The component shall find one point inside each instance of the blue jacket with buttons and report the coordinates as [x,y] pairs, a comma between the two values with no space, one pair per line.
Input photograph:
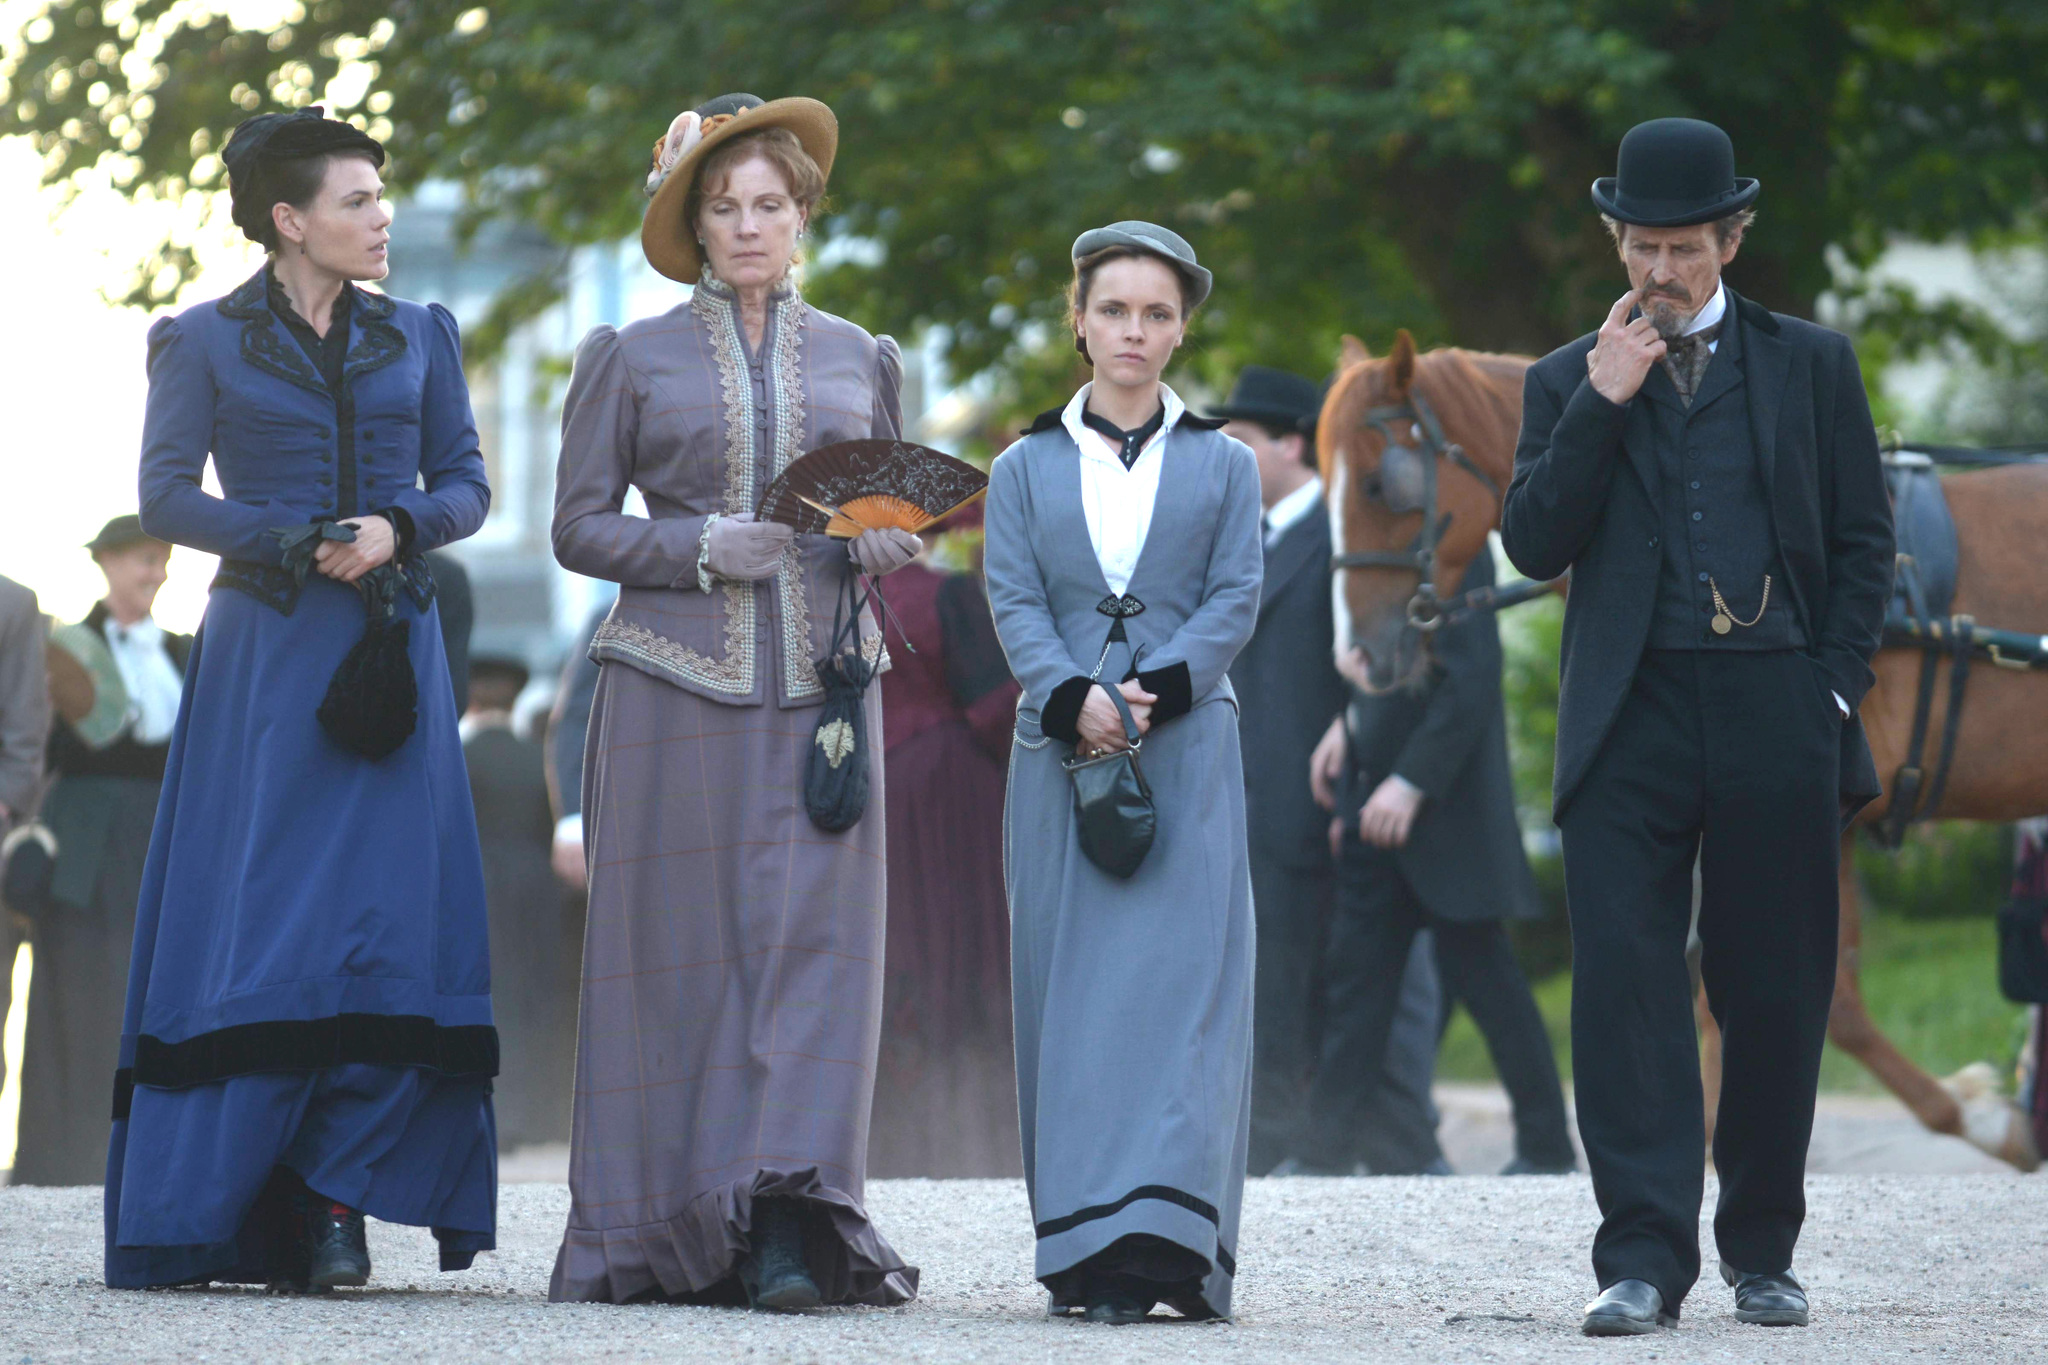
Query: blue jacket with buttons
[227,378]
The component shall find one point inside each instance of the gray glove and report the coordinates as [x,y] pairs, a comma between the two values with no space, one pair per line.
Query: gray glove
[738,547]
[884,551]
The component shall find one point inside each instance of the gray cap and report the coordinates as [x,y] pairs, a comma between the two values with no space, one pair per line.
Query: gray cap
[1156,240]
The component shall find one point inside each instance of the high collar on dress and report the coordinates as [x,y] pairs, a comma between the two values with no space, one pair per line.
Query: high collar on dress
[713,290]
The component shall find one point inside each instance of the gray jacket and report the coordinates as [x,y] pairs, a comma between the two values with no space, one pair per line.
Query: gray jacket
[1198,576]
[24,699]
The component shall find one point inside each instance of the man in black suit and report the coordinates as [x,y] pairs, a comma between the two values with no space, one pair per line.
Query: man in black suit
[1288,690]
[1708,471]
[1426,835]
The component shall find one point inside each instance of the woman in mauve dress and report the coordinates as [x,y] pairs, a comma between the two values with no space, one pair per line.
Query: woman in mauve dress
[732,975]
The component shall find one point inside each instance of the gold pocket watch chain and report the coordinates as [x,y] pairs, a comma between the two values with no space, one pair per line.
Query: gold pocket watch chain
[1724,619]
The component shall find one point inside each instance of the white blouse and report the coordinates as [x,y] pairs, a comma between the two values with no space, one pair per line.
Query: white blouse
[152,680]
[1118,501]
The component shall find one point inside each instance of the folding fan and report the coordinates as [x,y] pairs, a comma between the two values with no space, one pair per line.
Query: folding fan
[855,486]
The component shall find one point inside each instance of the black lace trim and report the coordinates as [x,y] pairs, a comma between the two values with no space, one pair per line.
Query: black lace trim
[279,589]
[264,342]
[275,588]
[413,1040]
[377,342]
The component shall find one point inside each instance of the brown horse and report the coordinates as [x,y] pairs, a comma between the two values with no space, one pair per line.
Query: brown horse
[2001,761]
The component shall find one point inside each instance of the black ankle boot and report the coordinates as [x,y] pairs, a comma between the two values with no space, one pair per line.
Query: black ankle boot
[337,1252]
[778,1278]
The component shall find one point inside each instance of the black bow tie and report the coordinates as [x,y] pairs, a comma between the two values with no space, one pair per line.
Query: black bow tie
[1130,444]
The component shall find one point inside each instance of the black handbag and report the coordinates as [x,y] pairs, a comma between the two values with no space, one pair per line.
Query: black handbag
[2023,951]
[28,868]
[836,775]
[1113,802]
[372,702]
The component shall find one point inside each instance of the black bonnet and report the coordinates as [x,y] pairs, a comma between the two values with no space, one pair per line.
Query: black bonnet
[267,139]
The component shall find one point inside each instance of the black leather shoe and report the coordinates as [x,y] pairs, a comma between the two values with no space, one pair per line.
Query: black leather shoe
[1766,1300]
[1521,1165]
[1115,1308]
[1629,1308]
[337,1252]
[780,1281]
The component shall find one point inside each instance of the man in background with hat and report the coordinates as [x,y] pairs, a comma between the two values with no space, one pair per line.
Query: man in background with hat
[116,679]
[1288,692]
[1707,471]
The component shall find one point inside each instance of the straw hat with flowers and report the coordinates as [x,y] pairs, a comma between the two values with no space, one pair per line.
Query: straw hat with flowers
[669,241]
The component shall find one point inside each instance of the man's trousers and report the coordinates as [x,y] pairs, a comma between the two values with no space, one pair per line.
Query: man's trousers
[1396,1125]
[1730,757]
[1377,920]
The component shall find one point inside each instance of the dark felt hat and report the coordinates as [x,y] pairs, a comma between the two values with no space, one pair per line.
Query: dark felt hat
[122,531]
[499,668]
[1673,172]
[1276,398]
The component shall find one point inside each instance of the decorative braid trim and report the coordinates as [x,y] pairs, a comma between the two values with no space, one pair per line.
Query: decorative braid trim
[733,673]
[786,383]
[639,645]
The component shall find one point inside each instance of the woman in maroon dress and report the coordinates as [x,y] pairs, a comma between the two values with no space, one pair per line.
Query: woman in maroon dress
[945,1087]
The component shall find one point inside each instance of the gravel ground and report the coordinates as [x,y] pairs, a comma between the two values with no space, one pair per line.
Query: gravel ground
[1462,1269]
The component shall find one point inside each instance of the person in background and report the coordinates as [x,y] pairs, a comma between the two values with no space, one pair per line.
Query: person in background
[945,1083]
[107,770]
[568,729]
[457,605]
[24,733]
[536,940]
[1425,833]
[1288,692]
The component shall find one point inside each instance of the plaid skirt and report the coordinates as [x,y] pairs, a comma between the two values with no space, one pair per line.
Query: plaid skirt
[732,999]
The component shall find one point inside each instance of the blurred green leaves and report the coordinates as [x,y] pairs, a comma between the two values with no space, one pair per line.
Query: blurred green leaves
[1346,165]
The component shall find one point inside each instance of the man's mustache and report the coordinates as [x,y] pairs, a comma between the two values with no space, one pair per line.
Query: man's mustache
[1675,292]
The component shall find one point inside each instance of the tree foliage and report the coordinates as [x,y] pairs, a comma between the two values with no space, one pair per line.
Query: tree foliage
[1344,164]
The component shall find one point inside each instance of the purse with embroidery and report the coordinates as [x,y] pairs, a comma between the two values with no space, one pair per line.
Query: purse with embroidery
[836,775]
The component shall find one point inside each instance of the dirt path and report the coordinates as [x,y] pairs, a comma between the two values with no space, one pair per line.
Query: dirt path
[1469,1269]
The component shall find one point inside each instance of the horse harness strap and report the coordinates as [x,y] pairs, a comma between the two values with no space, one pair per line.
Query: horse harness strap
[1922,593]
[1426,610]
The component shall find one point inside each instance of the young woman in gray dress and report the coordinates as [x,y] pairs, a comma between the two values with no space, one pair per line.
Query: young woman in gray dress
[732,976]
[1123,552]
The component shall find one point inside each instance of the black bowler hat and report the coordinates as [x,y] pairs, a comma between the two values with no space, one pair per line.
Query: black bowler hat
[1674,172]
[1274,398]
[499,668]
[121,532]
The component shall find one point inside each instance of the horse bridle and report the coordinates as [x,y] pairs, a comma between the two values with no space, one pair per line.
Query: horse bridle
[1412,464]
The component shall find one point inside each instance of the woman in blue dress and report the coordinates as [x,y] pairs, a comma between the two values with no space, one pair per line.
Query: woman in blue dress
[308,1030]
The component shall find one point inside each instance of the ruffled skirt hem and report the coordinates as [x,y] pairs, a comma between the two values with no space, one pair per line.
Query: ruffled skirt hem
[696,1253]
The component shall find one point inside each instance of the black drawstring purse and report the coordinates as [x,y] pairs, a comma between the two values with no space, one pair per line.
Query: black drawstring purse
[836,775]
[372,701]
[1112,801]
